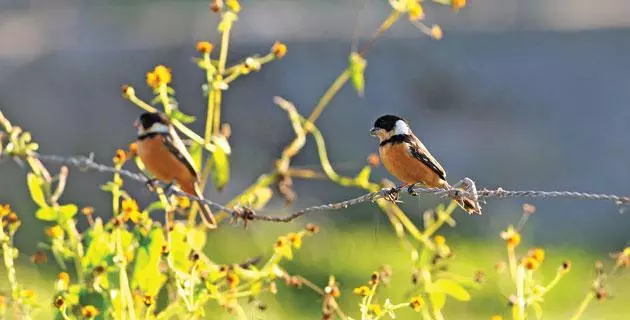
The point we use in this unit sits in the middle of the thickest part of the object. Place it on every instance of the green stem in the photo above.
(327, 97)
(126, 299)
(587, 300)
(75, 243)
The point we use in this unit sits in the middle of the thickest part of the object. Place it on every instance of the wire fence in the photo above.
(88, 163)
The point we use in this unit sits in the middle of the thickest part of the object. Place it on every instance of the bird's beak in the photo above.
(136, 124)
(373, 132)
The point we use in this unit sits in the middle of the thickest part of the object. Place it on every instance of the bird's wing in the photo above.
(177, 147)
(420, 152)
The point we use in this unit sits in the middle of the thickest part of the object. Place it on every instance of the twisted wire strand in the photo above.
(88, 163)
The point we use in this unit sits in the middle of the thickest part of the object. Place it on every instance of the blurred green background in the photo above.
(518, 94)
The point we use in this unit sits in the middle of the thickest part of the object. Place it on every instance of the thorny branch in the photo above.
(88, 163)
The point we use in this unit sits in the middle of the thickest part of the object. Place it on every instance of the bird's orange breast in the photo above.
(405, 167)
(163, 164)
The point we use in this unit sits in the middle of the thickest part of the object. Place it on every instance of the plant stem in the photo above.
(126, 299)
(326, 98)
(587, 300)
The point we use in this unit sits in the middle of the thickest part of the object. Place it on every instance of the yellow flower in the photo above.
(28, 294)
(417, 303)
(233, 5)
(565, 266)
(59, 302)
(127, 91)
(458, 4)
(183, 202)
(538, 254)
(204, 47)
(87, 211)
(232, 280)
(64, 279)
(130, 210)
(415, 11)
(133, 149)
(311, 228)
(496, 317)
(160, 75)
(512, 237)
(148, 300)
(89, 311)
(55, 232)
(5, 210)
(362, 291)
(283, 247)
(296, 239)
(120, 157)
(279, 49)
(436, 32)
(440, 240)
(530, 263)
(376, 310)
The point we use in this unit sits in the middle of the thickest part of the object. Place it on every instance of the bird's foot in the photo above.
(152, 184)
(411, 191)
(393, 194)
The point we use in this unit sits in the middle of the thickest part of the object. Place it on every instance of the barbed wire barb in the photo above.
(239, 212)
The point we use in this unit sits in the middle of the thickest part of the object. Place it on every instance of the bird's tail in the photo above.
(470, 204)
(206, 213)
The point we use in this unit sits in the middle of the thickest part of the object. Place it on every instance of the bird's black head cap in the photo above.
(147, 119)
(387, 122)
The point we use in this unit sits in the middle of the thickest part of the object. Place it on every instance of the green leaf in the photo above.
(260, 197)
(146, 270)
(67, 212)
(100, 246)
(357, 72)
(451, 288)
(196, 152)
(157, 205)
(363, 178)
(176, 114)
(220, 164)
(35, 185)
(180, 250)
(438, 300)
(46, 214)
(196, 238)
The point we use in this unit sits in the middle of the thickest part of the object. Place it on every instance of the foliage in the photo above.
(143, 265)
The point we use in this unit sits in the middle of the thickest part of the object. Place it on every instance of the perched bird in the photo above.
(165, 156)
(406, 158)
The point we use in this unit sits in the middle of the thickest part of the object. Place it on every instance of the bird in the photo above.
(166, 158)
(406, 158)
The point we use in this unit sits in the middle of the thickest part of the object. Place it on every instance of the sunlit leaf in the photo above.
(196, 238)
(46, 214)
(177, 114)
(154, 206)
(100, 246)
(357, 72)
(67, 212)
(180, 250)
(196, 152)
(146, 271)
(438, 300)
(451, 288)
(260, 197)
(35, 188)
(363, 178)
(220, 164)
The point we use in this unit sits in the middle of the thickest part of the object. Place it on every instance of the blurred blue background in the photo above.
(518, 94)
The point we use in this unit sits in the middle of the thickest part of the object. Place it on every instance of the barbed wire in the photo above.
(87, 163)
